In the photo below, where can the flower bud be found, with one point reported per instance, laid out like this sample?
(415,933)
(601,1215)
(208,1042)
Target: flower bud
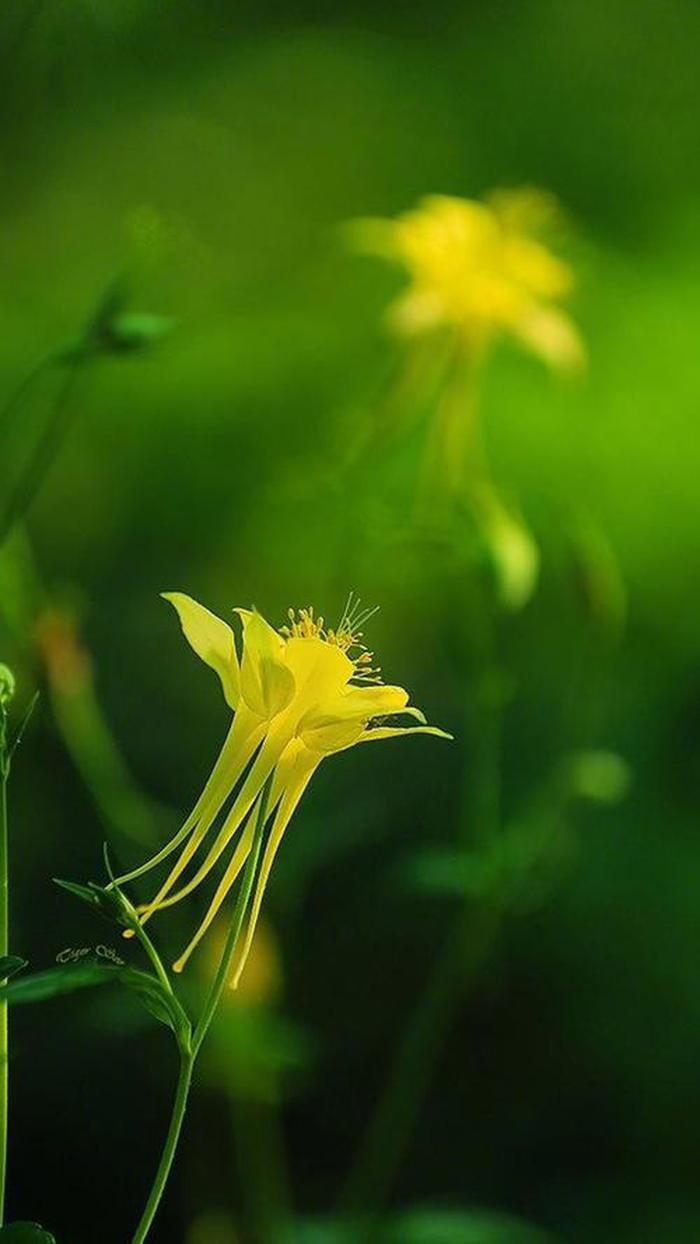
(511,550)
(7,685)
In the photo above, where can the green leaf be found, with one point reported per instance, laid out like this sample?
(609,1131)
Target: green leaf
(10,965)
(67,978)
(108,903)
(25,1233)
(158,1001)
(70,977)
(443,1226)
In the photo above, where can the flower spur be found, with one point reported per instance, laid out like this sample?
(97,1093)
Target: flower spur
(298,695)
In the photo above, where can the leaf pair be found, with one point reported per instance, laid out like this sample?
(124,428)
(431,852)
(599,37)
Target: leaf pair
(67,978)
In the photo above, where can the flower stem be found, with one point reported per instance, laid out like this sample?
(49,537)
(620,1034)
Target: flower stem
(4,928)
(457,964)
(188,1055)
(45,451)
(171,1142)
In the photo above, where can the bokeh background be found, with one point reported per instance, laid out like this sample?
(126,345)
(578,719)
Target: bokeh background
(206,154)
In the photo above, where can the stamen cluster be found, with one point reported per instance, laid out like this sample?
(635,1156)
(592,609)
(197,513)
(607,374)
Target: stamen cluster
(346,635)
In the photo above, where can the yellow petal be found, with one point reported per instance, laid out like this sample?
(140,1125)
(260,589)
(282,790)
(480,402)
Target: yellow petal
(331,735)
(320,669)
(339,721)
(394,732)
(265,762)
(299,777)
(552,335)
(237,862)
(211,639)
(286,776)
(217,787)
(267,685)
(245,736)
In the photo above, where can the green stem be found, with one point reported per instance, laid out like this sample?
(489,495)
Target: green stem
(188,1056)
(142,936)
(456,965)
(17,397)
(4,933)
(263,1169)
(171,1142)
(50,442)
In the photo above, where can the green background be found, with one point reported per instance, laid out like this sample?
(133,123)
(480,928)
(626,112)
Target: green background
(210,152)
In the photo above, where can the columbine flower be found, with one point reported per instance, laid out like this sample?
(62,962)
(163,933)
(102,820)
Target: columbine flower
(481,269)
(298,694)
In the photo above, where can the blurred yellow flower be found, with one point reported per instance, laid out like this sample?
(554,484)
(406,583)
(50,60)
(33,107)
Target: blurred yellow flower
(298,694)
(480,268)
(263,982)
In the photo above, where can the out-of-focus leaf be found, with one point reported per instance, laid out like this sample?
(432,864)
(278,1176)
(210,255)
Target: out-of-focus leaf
(25,1233)
(448,872)
(136,331)
(599,776)
(423,1226)
(10,965)
(444,1226)
(511,549)
(317,1231)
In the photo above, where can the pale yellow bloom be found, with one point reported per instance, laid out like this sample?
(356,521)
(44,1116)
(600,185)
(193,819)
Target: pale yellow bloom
(480,268)
(298,694)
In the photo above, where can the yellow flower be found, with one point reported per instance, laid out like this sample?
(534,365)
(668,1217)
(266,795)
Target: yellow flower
(298,694)
(481,269)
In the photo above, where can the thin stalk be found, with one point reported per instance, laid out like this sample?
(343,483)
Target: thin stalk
(4,934)
(224,971)
(44,453)
(142,936)
(396,1113)
(263,1168)
(182,1093)
(22,389)
(188,1056)
(454,459)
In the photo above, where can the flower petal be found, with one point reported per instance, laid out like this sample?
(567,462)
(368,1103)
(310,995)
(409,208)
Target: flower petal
(287,776)
(217,787)
(234,867)
(552,335)
(266,760)
(338,722)
(244,738)
(320,669)
(301,773)
(211,639)
(392,732)
(267,685)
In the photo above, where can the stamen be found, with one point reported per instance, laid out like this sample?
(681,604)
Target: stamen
(347,635)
